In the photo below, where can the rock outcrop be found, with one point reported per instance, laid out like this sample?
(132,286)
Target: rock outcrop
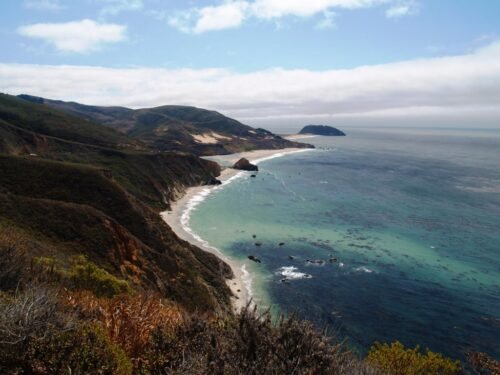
(322,130)
(244,165)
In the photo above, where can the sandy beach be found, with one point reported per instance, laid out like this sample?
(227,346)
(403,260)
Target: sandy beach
(178,218)
(293,137)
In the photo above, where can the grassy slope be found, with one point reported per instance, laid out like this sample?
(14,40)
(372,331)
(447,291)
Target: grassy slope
(171,127)
(44,120)
(153,177)
(89,198)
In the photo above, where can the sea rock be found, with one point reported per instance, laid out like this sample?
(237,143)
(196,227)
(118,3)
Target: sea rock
(322,130)
(281,244)
(244,165)
(258,244)
(254,258)
(213,181)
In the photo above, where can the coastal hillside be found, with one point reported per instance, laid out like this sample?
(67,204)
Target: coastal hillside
(154,177)
(70,187)
(89,269)
(177,128)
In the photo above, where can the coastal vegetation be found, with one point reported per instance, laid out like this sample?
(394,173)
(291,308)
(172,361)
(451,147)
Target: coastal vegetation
(92,280)
(176,128)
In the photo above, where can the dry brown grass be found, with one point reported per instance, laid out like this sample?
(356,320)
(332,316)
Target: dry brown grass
(128,320)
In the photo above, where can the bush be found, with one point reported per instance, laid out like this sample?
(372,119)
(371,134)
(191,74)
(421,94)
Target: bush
(395,359)
(81,275)
(32,313)
(482,364)
(83,350)
(248,343)
(86,350)
(86,275)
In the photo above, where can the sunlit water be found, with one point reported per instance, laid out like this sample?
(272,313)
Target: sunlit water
(407,224)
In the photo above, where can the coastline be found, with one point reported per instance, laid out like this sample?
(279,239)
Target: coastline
(178,217)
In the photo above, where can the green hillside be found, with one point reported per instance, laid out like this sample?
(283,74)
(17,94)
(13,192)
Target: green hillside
(177,128)
(70,187)
(46,121)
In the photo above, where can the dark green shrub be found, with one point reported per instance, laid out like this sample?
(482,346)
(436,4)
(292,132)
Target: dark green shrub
(86,275)
(81,275)
(86,350)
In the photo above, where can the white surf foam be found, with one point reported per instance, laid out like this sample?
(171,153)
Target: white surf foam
(305,136)
(247,280)
(291,273)
(279,155)
(197,199)
(363,269)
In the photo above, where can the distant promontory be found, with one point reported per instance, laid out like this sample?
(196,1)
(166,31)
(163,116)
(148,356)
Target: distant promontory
(322,130)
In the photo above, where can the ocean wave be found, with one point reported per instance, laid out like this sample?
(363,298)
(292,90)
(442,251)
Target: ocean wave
(305,136)
(279,155)
(246,278)
(363,269)
(291,273)
(197,199)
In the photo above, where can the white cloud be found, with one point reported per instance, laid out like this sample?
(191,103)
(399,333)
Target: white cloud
(198,20)
(77,36)
(402,9)
(114,7)
(226,16)
(304,8)
(232,13)
(457,88)
(43,4)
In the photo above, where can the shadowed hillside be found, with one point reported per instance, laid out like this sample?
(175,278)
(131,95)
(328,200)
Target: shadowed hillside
(177,128)
(76,188)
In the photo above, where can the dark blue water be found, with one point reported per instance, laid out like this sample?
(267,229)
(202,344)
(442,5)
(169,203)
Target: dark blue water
(395,235)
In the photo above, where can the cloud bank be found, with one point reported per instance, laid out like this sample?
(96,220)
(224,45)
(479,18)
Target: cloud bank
(233,13)
(77,36)
(458,88)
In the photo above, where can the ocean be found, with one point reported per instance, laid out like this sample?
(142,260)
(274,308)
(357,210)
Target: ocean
(383,235)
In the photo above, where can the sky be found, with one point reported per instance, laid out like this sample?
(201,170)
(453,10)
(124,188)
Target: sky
(268,63)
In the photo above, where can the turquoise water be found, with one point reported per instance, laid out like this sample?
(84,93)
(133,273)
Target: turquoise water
(394,234)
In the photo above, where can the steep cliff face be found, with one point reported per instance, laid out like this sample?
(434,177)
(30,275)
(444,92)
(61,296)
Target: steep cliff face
(70,187)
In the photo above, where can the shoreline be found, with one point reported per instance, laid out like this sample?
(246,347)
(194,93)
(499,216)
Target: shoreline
(178,217)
